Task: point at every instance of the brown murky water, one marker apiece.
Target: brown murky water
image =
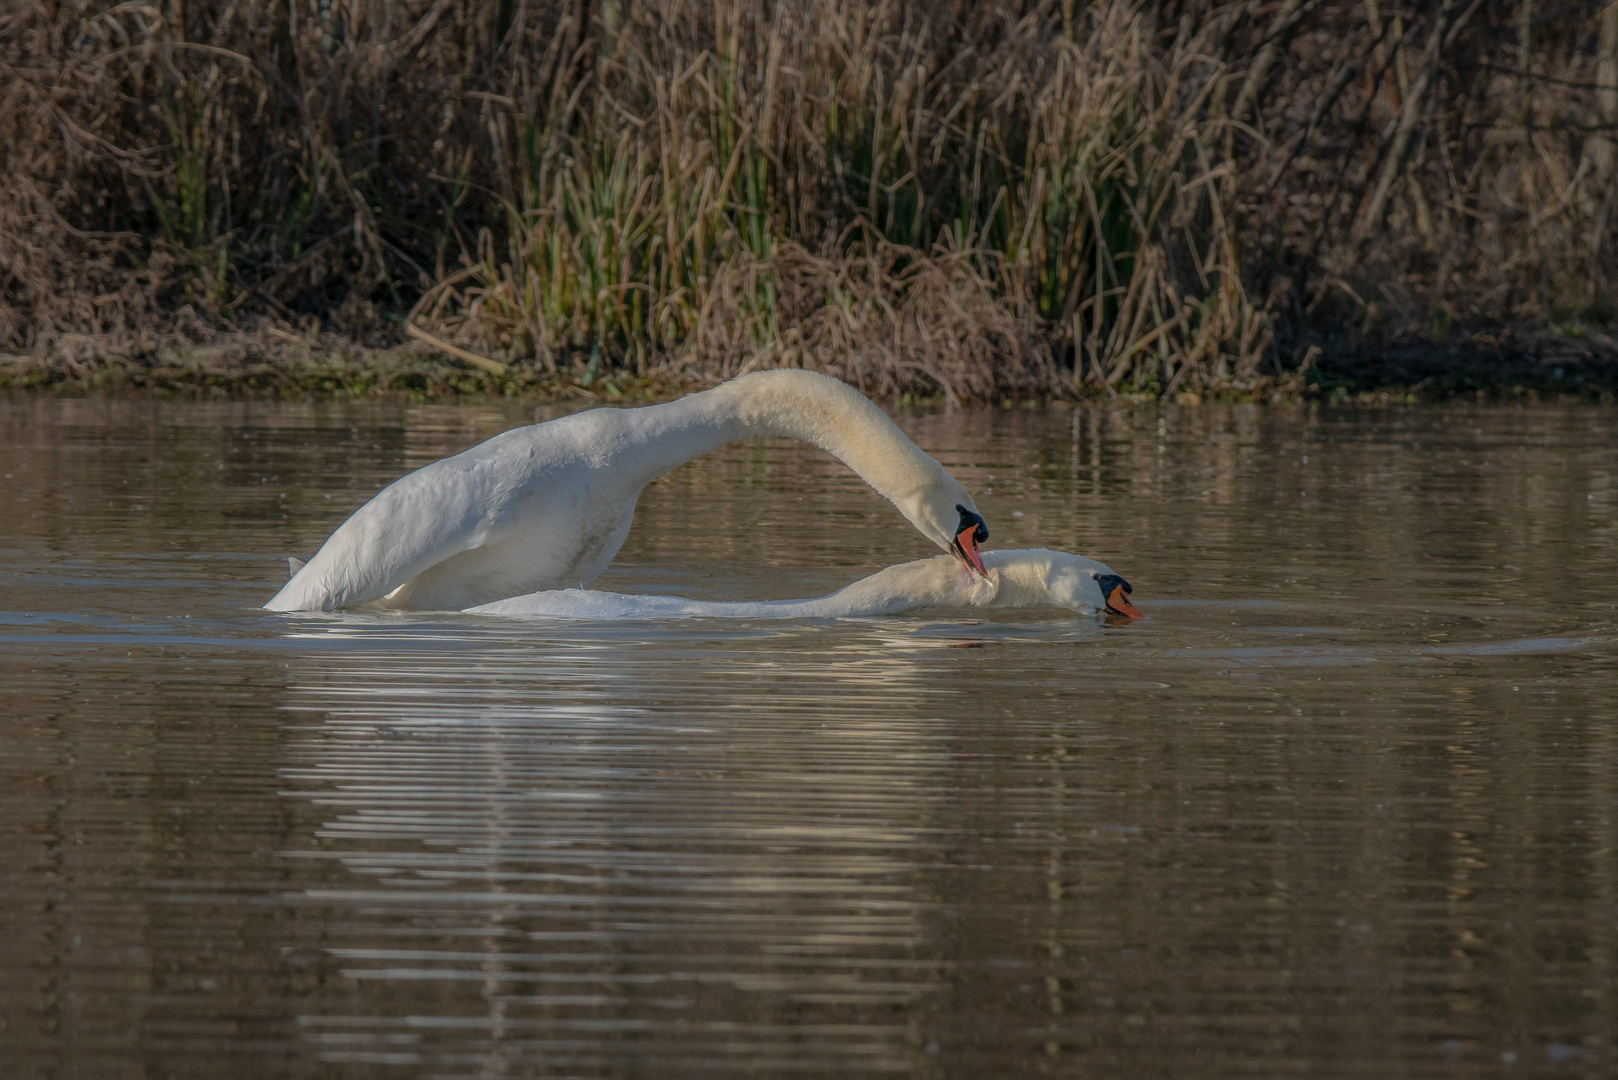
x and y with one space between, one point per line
1343 806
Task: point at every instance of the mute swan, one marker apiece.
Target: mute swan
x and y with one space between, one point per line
1014 579
548 505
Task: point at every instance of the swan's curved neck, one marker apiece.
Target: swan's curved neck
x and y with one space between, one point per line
798 405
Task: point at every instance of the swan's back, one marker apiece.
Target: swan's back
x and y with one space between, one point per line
1024 578
937 582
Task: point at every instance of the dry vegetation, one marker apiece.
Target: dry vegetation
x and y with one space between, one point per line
966 200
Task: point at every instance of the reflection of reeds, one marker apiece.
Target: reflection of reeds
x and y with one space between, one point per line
1013 198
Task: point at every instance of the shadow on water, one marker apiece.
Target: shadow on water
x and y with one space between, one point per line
1343 803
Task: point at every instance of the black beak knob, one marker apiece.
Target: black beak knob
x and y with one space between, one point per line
969 519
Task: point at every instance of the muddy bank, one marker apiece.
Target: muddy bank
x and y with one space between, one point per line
1581 363
281 364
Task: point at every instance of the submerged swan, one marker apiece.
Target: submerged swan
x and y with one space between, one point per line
1024 578
547 506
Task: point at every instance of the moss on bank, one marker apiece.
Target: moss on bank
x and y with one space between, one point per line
327 365
1567 362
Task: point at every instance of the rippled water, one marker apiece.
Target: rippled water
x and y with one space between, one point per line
1343 805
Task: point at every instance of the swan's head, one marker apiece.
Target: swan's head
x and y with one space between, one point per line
949 518
970 531
1085 585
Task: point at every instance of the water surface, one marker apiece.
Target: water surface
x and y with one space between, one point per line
1343 805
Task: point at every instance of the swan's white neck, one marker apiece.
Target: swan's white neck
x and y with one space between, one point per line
798 405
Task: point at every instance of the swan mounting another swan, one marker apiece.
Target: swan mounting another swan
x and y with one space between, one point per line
548 505
1013 579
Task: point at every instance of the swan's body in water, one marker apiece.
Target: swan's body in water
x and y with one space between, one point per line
547 506
1015 579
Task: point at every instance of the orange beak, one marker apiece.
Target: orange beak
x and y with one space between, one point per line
966 546
1118 604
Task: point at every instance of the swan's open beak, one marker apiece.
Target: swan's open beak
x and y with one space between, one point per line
966 549
1118 603
968 535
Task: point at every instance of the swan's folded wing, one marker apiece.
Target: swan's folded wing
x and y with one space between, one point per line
590 604
935 582
414 523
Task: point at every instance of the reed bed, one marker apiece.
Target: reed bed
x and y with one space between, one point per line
967 201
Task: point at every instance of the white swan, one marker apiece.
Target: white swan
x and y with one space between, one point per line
548 505
1015 579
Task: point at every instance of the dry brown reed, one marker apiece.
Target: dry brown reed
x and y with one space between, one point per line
964 200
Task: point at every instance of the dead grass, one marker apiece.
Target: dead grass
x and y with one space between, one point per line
963 201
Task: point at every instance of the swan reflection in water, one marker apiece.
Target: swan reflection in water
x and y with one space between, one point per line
685 840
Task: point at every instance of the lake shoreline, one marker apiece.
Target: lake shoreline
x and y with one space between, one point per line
1577 362
280 364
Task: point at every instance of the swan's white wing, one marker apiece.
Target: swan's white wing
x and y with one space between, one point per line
419 520
539 504
590 604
